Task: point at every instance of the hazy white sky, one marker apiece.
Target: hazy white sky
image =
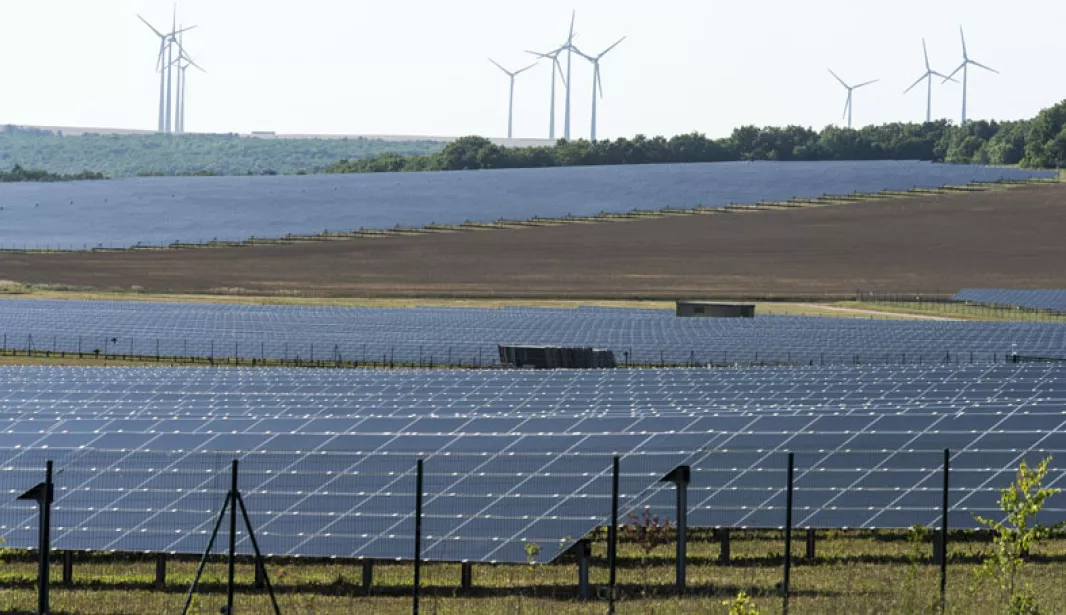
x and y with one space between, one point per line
420 67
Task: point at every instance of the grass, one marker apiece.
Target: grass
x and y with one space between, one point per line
853 572
237 296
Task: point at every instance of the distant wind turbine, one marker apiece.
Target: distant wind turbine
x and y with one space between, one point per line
597 83
928 76
163 64
183 63
569 62
851 89
557 71
964 67
510 99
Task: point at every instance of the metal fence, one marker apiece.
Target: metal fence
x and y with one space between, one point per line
603 513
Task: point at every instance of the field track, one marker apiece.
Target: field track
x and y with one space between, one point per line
927 244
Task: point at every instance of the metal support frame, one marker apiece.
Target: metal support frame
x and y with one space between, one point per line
368 575
68 568
466 574
161 570
232 501
811 535
680 476
44 495
723 541
584 558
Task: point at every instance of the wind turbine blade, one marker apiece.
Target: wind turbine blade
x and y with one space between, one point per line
599 79
582 54
162 52
526 68
499 67
191 63
157 32
920 79
865 83
838 78
538 54
925 52
184 30
847 103
963 37
944 77
954 72
617 43
560 71
984 67
573 16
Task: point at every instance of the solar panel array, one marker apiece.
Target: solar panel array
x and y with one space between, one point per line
511 457
469 336
1043 299
162 210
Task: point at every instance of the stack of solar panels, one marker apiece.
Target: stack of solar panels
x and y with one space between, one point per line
511 457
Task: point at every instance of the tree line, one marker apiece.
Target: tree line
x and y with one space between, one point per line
19 174
1036 143
129 155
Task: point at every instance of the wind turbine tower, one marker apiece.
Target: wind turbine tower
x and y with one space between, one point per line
510 99
569 62
928 77
182 64
557 70
851 89
597 83
964 67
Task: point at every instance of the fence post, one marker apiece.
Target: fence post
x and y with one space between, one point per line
42 494
680 477
232 538
788 535
944 533
418 538
612 537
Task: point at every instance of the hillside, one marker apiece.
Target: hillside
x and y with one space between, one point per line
124 155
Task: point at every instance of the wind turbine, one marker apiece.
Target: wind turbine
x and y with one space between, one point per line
510 100
557 70
163 64
928 76
850 88
183 63
569 62
597 83
964 67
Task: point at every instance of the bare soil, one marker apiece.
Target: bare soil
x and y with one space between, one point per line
930 244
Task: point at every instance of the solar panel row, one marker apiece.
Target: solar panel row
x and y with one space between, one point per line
511 457
161 210
1044 299
469 336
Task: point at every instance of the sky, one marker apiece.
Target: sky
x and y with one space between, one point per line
420 67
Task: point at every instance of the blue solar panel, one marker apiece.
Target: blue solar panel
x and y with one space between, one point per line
511 457
127 212
470 336
1044 299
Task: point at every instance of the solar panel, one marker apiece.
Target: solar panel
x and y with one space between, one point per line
162 210
511 457
1044 299
469 336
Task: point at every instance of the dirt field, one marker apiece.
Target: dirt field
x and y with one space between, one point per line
934 244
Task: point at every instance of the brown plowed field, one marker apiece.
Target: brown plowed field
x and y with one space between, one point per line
1008 238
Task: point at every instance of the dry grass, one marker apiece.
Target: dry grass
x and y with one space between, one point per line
852 573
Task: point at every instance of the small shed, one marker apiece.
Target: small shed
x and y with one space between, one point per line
708 309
